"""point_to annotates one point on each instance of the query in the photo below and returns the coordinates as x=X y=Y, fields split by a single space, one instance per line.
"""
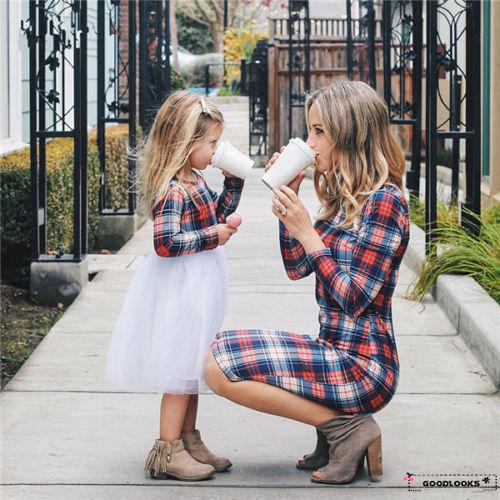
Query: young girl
x=175 y=303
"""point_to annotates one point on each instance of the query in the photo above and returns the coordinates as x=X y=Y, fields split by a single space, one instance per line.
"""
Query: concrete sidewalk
x=68 y=435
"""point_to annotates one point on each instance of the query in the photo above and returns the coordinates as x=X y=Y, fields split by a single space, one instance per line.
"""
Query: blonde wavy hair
x=181 y=123
x=365 y=153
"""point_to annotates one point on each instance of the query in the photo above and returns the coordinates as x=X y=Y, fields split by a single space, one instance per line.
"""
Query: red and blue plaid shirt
x=184 y=221
x=356 y=274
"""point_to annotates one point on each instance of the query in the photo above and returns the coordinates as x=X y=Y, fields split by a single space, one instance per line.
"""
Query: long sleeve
x=169 y=239
x=227 y=201
x=294 y=256
x=382 y=228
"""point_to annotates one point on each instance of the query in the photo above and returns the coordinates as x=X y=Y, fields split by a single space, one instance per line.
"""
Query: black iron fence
x=116 y=88
x=361 y=43
x=222 y=65
x=453 y=82
x=258 y=99
x=57 y=40
x=299 y=60
x=154 y=58
x=403 y=76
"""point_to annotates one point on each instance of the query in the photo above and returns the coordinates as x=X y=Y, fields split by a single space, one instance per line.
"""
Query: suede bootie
x=197 y=449
x=170 y=460
x=318 y=458
x=351 y=438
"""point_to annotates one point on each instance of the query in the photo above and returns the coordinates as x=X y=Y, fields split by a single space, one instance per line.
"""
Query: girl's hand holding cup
x=224 y=231
x=231 y=161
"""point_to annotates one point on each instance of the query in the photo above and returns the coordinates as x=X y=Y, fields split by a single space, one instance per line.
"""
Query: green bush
x=16 y=214
x=461 y=252
x=193 y=36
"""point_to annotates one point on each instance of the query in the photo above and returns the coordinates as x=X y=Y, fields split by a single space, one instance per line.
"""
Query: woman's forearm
x=311 y=241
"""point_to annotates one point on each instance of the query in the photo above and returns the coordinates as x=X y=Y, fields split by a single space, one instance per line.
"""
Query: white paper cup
x=295 y=157
x=233 y=161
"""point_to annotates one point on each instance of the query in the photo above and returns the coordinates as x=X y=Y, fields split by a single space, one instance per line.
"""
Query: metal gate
x=116 y=83
x=258 y=99
x=57 y=39
x=154 y=47
x=451 y=84
x=403 y=75
x=361 y=43
x=299 y=63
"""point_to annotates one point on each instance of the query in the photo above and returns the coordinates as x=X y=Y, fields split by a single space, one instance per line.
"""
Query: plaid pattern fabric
x=184 y=222
x=353 y=365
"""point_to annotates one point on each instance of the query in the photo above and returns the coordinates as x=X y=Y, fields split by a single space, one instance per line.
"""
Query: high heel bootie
x=351 y=438
x=169 y=459
x=197 y=449
x=318 y=458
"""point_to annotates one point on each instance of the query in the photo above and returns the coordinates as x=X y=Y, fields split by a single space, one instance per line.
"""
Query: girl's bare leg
x=189 y=424
x=266 y=398
x=172 y=415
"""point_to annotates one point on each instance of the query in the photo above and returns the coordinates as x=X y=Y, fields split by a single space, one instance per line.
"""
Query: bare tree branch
x=203 y=12
x=187 y=9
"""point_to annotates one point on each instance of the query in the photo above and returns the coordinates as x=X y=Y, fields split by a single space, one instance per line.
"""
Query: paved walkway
x=67 y=435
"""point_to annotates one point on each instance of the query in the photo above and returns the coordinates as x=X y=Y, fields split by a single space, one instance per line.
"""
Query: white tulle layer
x=172 y=311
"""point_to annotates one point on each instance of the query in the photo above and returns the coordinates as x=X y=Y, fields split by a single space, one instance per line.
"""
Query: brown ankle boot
x=170 y=460
x=318 y=458
x=351 y=438
x=197 y=449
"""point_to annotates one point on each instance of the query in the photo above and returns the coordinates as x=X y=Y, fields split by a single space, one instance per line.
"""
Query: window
x=10 y=76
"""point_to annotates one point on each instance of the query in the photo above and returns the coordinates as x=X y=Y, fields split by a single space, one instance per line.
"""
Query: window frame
x=14 y=69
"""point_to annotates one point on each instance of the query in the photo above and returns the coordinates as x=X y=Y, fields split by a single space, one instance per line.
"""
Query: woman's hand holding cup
x=290 y=210
x=291 y=160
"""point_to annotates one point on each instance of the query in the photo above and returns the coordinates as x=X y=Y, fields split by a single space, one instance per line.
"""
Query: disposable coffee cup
x=228 y=158
x=295 y=157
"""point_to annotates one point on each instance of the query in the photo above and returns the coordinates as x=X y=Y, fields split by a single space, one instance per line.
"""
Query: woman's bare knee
x=214 y=376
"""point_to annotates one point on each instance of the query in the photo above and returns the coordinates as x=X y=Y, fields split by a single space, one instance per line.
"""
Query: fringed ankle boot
x=197 y=449
x=170 y=460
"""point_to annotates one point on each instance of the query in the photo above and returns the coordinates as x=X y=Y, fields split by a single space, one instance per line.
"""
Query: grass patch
x=459 y=251
x=24 y=324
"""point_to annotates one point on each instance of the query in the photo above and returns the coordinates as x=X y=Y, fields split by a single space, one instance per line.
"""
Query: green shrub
x=16 y=214
x=193 y=36
x=460 y=252
x=445 y=213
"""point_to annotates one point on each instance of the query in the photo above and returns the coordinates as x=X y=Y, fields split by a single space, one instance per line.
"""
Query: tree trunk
x=173 y=36
x=218 y=36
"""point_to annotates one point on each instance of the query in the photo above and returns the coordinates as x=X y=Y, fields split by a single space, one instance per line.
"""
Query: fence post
x=243 y=77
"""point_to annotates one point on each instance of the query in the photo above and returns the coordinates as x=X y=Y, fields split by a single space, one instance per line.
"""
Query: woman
x=355 y=248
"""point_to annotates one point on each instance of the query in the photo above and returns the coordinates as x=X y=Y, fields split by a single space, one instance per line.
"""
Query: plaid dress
x=352 y=366
x=174 y=305
x=184 y=222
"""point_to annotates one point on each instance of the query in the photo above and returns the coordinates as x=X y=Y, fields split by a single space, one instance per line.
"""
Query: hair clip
x=204 y=107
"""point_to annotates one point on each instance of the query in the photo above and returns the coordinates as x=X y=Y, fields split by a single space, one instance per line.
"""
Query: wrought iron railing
x=116 y=88
x=403 y=75
x=57 y=38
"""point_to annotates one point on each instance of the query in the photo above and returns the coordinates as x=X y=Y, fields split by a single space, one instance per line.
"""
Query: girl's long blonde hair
x=365 y=153
x=180 y=124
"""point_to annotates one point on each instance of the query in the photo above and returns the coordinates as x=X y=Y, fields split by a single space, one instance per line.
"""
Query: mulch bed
x=23 y=326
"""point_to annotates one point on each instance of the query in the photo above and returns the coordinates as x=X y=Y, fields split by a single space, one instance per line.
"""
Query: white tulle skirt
x=172 y=311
